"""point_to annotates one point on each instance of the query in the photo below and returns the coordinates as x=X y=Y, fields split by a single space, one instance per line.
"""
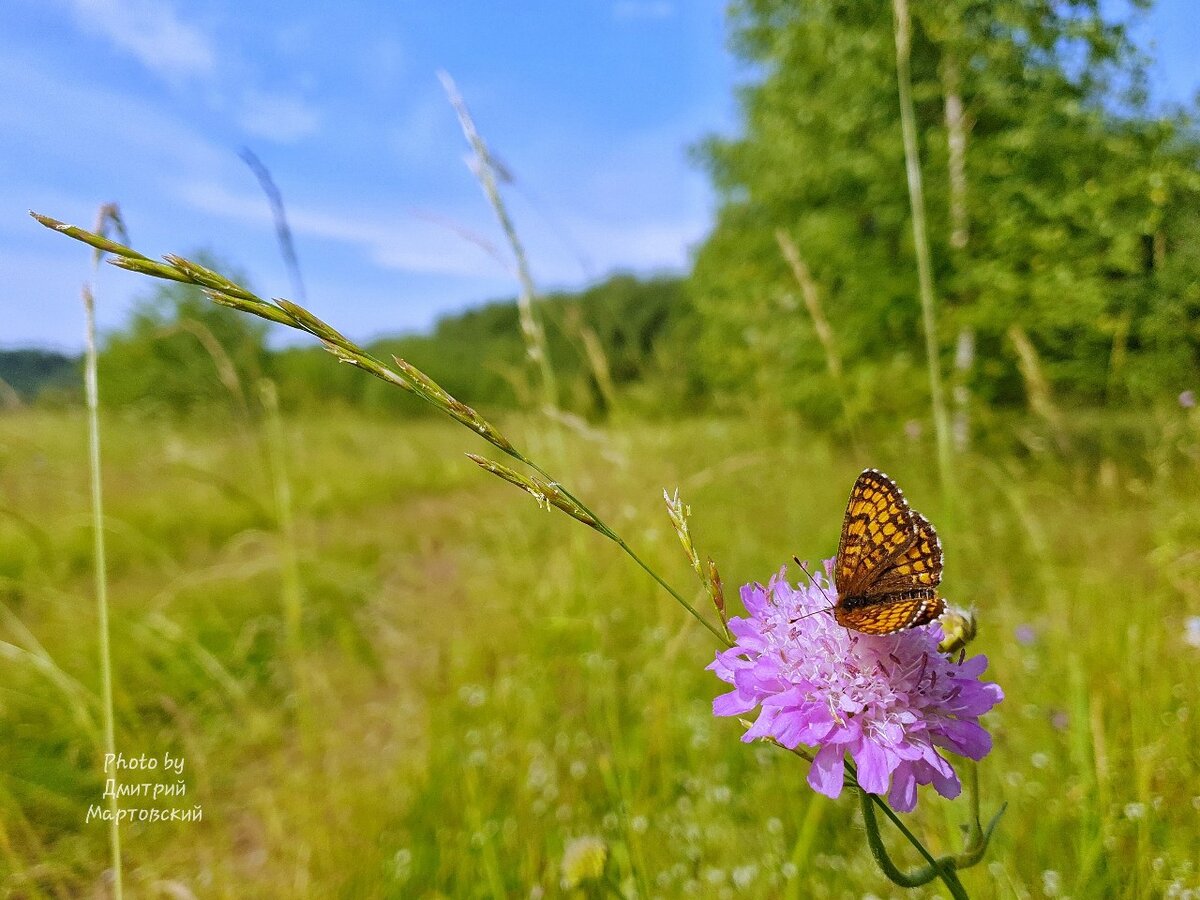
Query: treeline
x=30 y=374
x=618 y=342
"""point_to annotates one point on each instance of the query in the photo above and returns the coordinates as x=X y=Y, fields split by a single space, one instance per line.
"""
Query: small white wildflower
x=473 y=694
x=1191 y=631
x=583 y=860
x=744 y=875
x=721 y=794
x=1051 y=883
x=402 y=864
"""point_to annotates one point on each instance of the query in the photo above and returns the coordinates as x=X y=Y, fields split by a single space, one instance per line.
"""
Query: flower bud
x=958 y=628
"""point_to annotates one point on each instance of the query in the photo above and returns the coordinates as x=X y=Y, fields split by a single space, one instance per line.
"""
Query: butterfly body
x=889 y=561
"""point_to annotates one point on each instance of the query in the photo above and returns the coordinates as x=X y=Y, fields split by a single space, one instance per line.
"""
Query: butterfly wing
x=917 y=568
x=889 y=561
x=877 y=530
x=893 y=613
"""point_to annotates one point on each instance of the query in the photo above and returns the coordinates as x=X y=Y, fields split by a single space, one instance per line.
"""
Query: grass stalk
x=108 y=216
x=814 y=814
x=812 y=302
x=283 y=232
x=289 y=559
x=916 y=197
x=487 y=171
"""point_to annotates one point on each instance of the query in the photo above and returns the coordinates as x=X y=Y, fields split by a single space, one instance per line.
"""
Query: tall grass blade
x=916 y=197
x=283 y=232
x=486 y=170
x=108 y=217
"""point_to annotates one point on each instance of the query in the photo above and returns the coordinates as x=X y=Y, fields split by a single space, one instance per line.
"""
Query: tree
x=1057 y=203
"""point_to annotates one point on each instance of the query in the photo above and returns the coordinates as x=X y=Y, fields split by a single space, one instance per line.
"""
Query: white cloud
x=420 y=245
x=278 y=117
x=643 y=9
x=152 y=32
x=413 y=245
x=128 y=139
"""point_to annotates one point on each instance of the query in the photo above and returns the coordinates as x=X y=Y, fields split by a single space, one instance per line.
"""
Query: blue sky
x=591 y=104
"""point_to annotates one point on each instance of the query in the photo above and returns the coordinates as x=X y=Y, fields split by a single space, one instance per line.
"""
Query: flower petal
x=733 y=704
x=946 y=782
x=903 y=795
x=873 y=771
x=964 y=737
x=826 y=773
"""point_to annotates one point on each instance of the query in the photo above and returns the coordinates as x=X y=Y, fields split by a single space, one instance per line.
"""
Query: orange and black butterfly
x=889 y=561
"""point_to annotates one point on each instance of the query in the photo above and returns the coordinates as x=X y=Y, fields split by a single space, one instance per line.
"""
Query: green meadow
x=473 y=681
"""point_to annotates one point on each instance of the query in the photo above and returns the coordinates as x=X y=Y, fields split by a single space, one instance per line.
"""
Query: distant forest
x=181 y=354
x=27 y=374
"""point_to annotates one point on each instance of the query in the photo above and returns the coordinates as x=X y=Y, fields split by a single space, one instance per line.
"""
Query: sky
x=591 y=105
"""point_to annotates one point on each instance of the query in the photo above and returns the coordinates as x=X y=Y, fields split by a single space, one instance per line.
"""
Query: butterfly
x=889 y=561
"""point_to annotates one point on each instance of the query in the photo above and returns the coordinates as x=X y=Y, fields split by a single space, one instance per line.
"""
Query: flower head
x=1025 y=634
x=583 y=860
x=958 y=629
x=891 y=701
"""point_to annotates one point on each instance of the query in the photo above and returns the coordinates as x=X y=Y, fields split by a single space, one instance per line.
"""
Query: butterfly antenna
x=804 y=568
x=817 y=585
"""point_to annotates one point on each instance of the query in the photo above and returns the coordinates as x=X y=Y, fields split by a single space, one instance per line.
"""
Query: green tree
x=1058 y=205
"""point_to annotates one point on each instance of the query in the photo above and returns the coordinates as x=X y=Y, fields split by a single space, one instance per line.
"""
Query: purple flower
x=1187 y=399
x=890 y=702
x=1025 y=634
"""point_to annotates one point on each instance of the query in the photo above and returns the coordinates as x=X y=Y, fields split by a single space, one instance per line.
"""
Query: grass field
x=470 y=682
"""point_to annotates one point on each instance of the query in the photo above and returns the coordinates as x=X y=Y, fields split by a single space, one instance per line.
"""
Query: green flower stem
x=943 y=869
x=946 y=867
x=875 y=841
